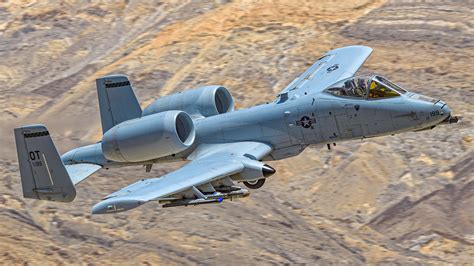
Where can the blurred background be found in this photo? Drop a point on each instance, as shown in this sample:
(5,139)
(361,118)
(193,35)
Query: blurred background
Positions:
(406,199)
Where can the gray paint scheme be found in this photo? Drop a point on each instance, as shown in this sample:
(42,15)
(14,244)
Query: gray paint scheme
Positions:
(199,103)
(117,103)
(149,137)
(80,171)
(43,175)
(312,110)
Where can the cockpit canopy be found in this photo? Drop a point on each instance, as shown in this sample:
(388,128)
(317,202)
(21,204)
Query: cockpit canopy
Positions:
(366,87)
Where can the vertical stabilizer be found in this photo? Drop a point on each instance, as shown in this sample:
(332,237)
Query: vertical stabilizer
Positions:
(43,174)
(117,101)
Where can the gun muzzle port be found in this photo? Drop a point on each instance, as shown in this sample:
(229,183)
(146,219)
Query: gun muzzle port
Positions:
(451,120)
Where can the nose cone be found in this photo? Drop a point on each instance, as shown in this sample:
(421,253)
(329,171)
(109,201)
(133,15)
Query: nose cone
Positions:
(448,118)
(437,113)
(447,111)
(440,111)
(114,205)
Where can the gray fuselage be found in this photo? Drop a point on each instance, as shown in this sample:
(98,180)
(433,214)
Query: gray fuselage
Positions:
(290,126)
(319,119)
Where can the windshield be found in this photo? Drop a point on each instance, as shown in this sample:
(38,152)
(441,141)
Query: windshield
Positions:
(378,90)
(392,85)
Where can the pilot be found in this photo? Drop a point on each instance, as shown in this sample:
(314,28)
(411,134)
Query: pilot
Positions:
(350,87)
(361,88)
(362,84)
(347,84)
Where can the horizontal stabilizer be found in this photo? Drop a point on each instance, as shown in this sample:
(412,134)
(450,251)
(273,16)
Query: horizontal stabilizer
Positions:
(79,172)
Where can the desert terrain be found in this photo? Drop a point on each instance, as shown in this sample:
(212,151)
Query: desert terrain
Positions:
(406,199)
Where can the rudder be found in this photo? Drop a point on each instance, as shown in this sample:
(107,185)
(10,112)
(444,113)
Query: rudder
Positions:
(117,101)
(43,174)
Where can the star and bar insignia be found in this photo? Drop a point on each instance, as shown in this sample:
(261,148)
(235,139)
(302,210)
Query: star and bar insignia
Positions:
(305,122)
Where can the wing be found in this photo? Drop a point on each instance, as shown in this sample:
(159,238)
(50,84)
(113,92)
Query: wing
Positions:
(336,65)
(204,180)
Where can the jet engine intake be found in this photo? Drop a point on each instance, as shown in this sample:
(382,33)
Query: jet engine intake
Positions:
(149,137)
(201,102)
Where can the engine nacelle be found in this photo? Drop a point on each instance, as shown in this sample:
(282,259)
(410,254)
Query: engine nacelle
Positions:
(201,102)
(149,137)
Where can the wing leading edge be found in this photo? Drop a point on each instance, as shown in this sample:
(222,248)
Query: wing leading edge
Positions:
(334,66)
(203,180)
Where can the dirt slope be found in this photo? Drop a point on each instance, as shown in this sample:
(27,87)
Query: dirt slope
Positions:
(404,199)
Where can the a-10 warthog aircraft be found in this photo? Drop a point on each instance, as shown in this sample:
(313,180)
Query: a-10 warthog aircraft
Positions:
(324,105)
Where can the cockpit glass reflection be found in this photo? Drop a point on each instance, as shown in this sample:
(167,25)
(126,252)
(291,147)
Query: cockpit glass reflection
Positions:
(363,87)
(378,90)
(392,85)
(354,87)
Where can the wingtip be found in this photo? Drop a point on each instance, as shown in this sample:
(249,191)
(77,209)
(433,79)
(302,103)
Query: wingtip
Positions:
(361,48)
(114,205)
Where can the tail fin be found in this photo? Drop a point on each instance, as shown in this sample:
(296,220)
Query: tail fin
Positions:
(117,101)
(43,174)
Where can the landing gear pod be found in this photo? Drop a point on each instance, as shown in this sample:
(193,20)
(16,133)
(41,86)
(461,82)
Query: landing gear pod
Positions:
(149,137)
(254,174)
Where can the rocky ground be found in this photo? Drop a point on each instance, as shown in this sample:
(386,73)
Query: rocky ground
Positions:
(403,199)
